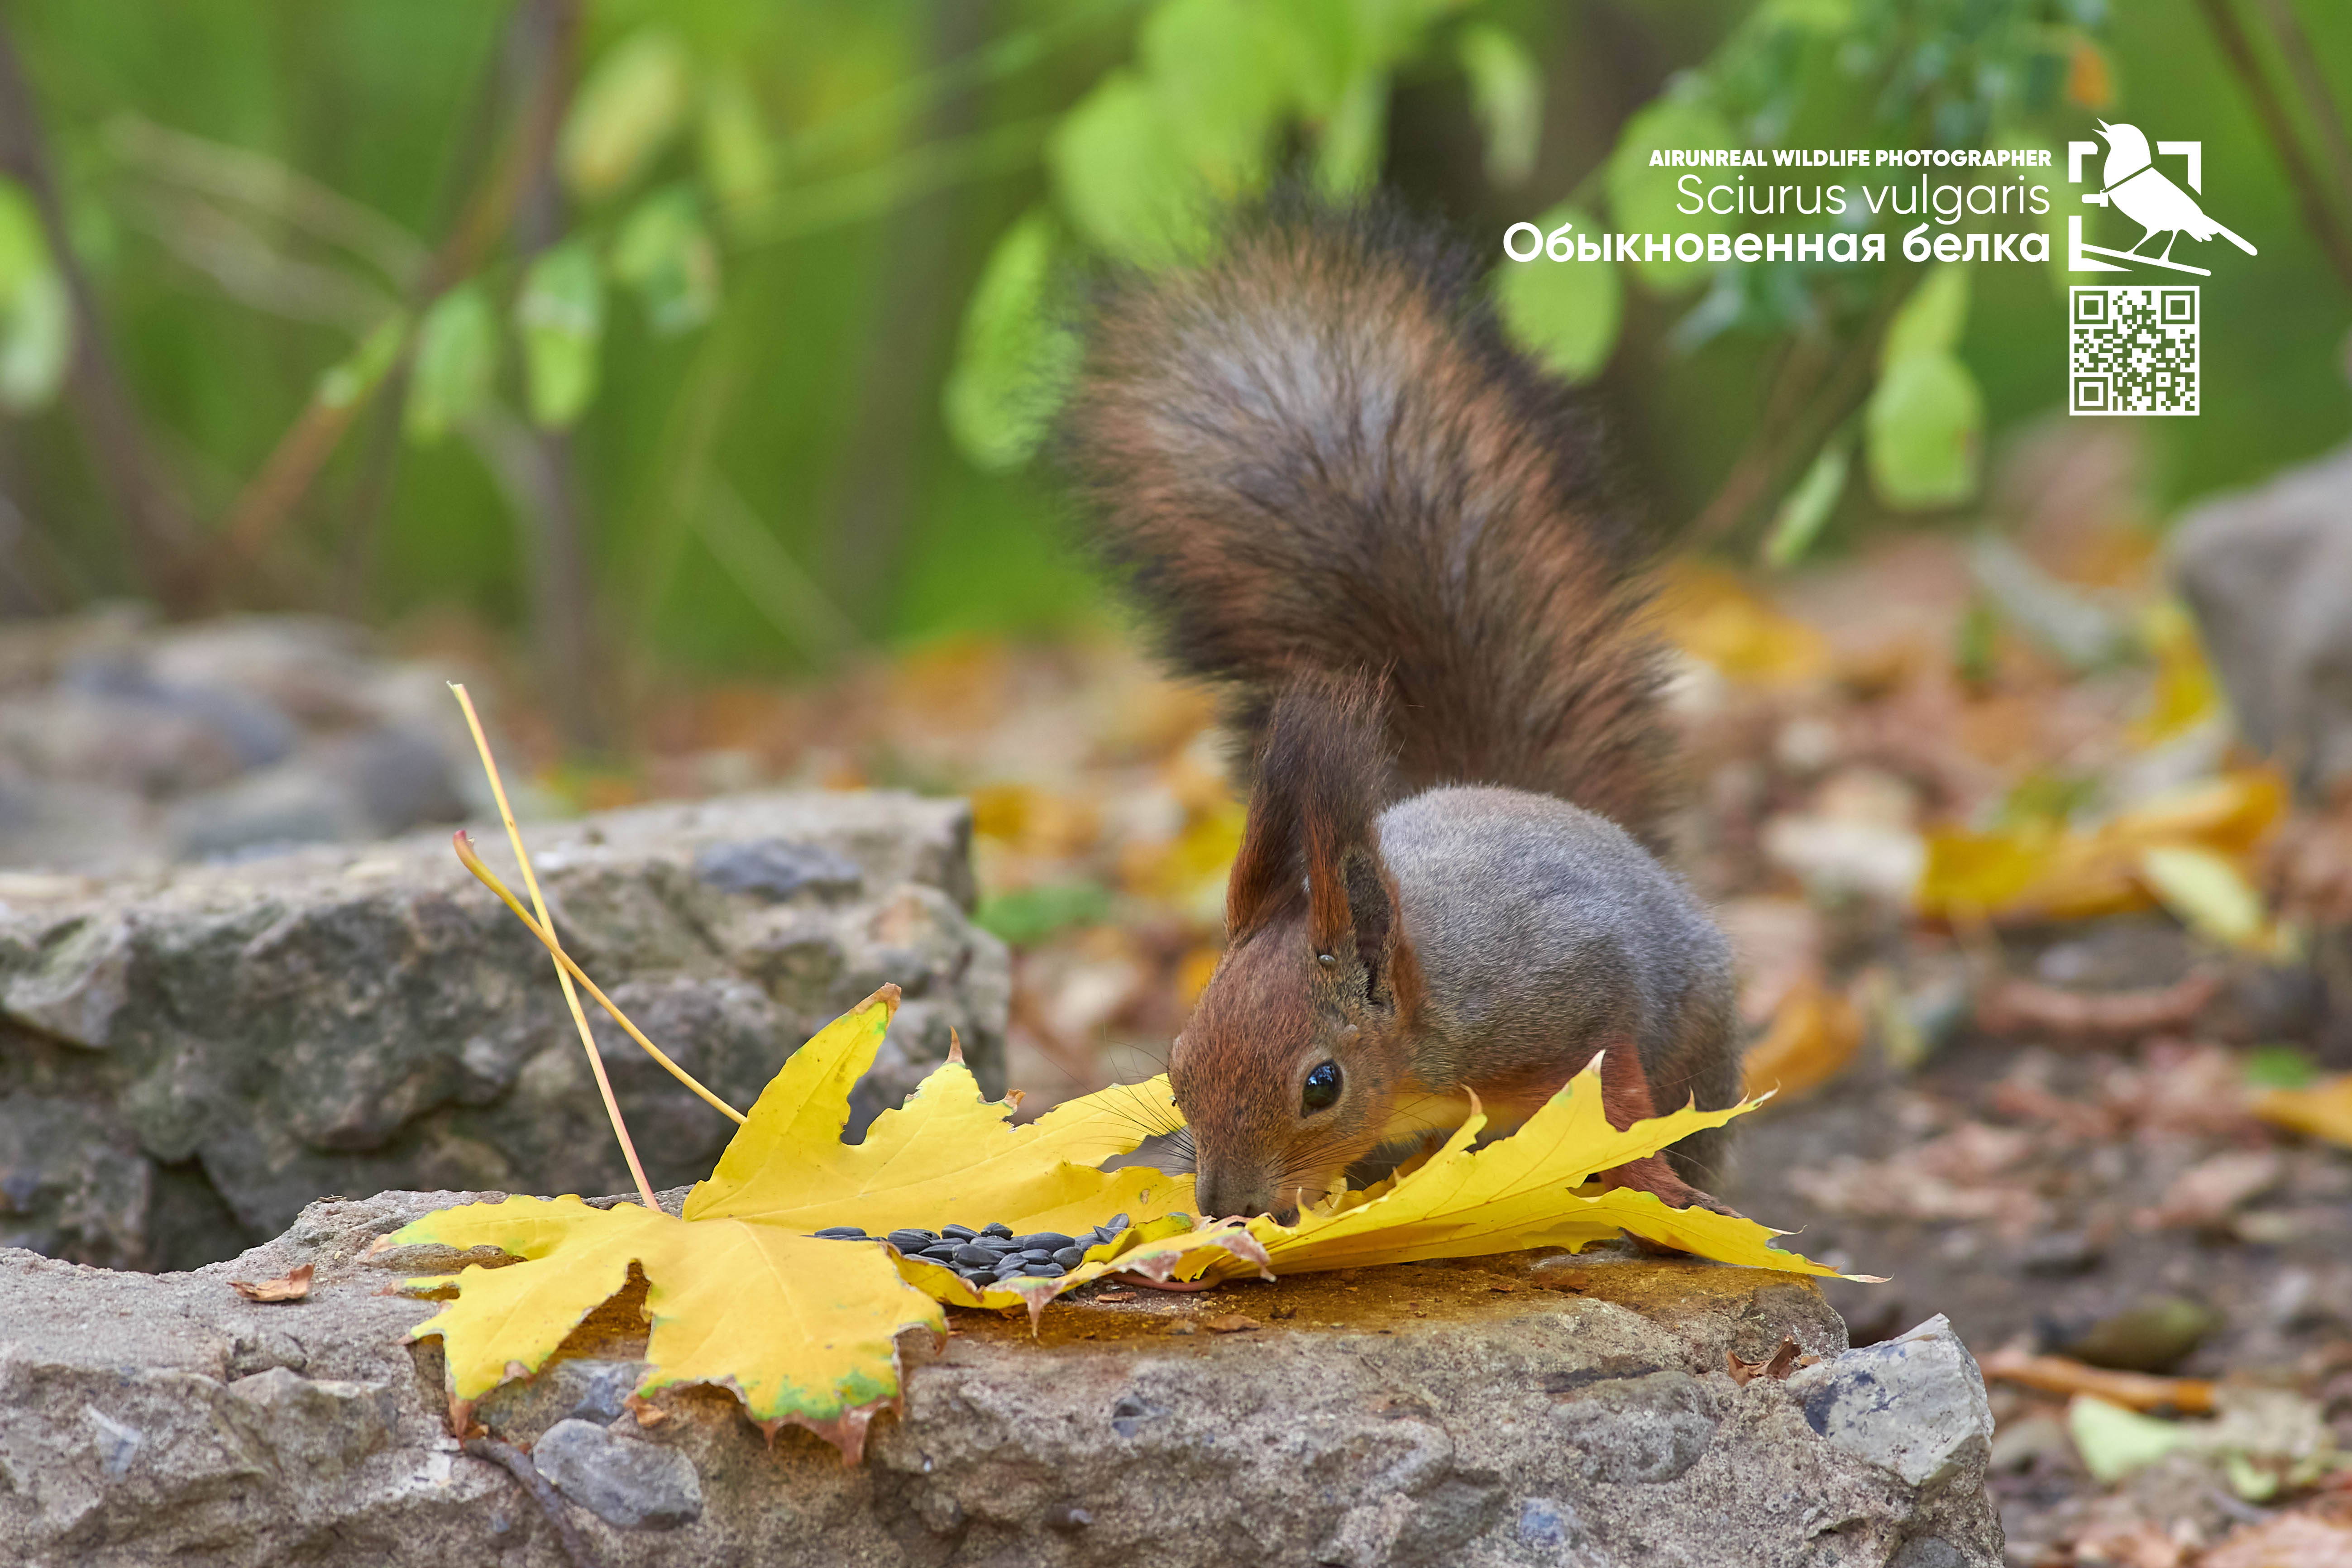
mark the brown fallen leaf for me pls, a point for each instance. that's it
(1814, 1034)
(2306, 1540)
(2064, 1375)
(2209, 1192)
(1233, 1324)
(1779, 1364)
(2025, 1007)
(290, 1286)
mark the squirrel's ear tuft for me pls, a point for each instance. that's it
(1314, 818)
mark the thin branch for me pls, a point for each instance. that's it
(162, 533)
(539, 903)
(519, 1464)
(2302, 65)
(262, 508)
(1780, 448)
(2310, 194)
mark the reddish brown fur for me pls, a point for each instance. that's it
(1318, 455)
(1379, 530)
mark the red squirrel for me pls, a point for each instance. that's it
(1381, 531)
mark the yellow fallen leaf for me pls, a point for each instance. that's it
(1533, 1188)
(1710, 615)
(804, 1329)
(2322, 1110)
(2186, 692)
(2037, 871)
(1814, 1034)
(2207, 893)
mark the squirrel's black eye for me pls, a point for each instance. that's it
(1322, 1091)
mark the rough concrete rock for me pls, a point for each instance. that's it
(1525, 1410)
(2269, 572)
(125, 747)
(187, 1058)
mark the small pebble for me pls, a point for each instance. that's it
(997, 1228)
(842, 1233)
(1182, 1327)
(1071, 1257)
(911, 1240)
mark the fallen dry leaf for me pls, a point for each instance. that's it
(2322, 1110)
(290, 1286)
(1814, 1034)
(1778, 1364)
(2132, 1390)
(2290, 1540)
(2038, 871)
(2213, 1189)
(1232, 1323)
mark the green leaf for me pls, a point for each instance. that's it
(737, 157)
(1220, 70)
(1507, 96)
(1563, 312)
(1015, 360)
(456, 357)
(36, 312)
(1032, 915)
(2114, 1441)
(1932, 317)
(1922, 429)
(666, 254)
(1642, 199)
(2280, 1067)
(625, 113)
(1799, 521)
(1122, 175)
(560, 316)
(346, 383)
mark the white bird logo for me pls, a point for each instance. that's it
(2135, 187)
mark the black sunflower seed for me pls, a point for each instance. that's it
(997, 1228)
(961, 1231)
(843, 1233)
(1044, 1270)
(1070, 1256)
(911, 1240)
(971, 1256)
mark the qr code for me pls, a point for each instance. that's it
(2132, 351)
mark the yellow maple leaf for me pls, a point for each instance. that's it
(2322, 1110)
(2038, 872)
(804, 1329)
(1533, 1188)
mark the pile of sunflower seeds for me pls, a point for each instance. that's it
(993, 1252)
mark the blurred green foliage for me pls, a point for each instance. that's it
(786, 287)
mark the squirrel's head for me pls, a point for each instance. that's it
(1289, 1069)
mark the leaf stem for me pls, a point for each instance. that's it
(563, 959)
(571, 997)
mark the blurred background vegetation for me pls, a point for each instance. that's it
(684, 338)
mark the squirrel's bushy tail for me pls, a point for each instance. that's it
(1315, 455)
